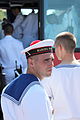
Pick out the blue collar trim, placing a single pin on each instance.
(67, 66)
(19, 87)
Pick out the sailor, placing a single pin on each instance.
(30, 29)
(16, 10)
(63, 85)
(10, 52)
(25, 98)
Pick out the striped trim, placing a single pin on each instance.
(40, 50)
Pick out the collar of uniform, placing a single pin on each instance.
(16, 90)
(8, 36)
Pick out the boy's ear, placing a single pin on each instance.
(61, 47)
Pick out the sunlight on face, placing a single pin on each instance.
(43, 64)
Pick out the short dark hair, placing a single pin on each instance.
(8, 29)
(68, 41)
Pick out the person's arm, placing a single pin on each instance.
(25, 22)
(18, 21)
(23, 58)
(35, 104)
(6, 110)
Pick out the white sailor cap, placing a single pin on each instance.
(39, 47)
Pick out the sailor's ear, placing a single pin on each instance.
(30, 61)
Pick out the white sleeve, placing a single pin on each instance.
(25, 22)
(35, 104)
(5, 109)
(18, 21)
(23, 59)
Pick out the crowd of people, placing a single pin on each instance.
(23, 26)
(17, 35)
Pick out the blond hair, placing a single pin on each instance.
(67, 40)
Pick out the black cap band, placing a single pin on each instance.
(37, 51)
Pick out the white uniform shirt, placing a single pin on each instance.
(30, 29)
(17, 26)
(64, 88)
(10, 51)
(35, 105)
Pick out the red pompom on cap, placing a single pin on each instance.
(34, 42)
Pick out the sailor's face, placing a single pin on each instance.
(14, 11)
(43, 64)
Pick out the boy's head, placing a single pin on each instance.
(67, 40)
